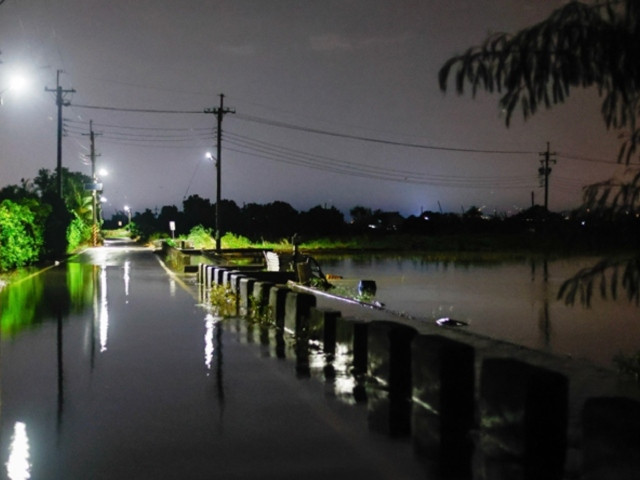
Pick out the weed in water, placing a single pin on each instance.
(223, 301)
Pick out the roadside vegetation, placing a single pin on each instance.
(37, 226)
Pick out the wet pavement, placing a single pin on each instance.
(111, 369)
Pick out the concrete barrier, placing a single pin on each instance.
(477, 407)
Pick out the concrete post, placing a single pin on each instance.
(523, 420)
(389, 367)
(277, 301)
(611, 439)
(297, 312)
(442, 416)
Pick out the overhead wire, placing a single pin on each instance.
(133, 136)
(328, 163)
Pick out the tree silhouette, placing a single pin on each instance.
(578, 46)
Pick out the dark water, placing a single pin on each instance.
(110, 369)
(512, 301)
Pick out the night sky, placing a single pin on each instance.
(336, 104)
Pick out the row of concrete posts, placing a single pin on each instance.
(473, 409)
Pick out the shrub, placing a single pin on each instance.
(78, 233)
(21, 235)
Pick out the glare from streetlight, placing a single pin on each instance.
(18, 82)
(209, 155)
(103, 172)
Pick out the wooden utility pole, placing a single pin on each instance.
(60, 102)
(94, 185)
(545, 171)
(219, 112)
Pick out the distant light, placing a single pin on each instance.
(126, 208)
(103, 172)
(209, 155)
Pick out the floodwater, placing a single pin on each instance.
(110, 369)
(512, 301)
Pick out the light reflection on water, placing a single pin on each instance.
(103, 318)
(18, 465)
(512, 301)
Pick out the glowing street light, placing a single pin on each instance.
(128, 210)
(17, 82)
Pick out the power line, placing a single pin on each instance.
(137, 110)
(276, 123)
(136, 127)
(340, 166)
(586, 159)
(290, 126)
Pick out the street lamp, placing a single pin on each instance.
(17, 82)
(210, 157)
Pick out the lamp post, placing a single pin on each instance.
(210, 157)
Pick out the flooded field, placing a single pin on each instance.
(512, 301)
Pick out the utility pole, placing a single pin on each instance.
(60, 102)
(219, 112)
(545, 171)
(94, 185)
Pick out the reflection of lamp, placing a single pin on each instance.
(19, 466)
(210, 157)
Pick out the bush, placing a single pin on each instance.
(21, 235)
(78, 233)
(201, 238)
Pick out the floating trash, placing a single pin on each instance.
(367, 287)
(450, 322)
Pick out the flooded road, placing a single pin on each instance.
(109, 369)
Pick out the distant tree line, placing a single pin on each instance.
(279, 220)
(272, 221)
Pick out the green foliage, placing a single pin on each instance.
(200, 237)
(19, 304)
(21, 234)
(223, 301)
(260, 313)
(78, 234)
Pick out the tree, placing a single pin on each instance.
(578, 46)
(322, 221)
(198, 211)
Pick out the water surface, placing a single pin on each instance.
(512, 301)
